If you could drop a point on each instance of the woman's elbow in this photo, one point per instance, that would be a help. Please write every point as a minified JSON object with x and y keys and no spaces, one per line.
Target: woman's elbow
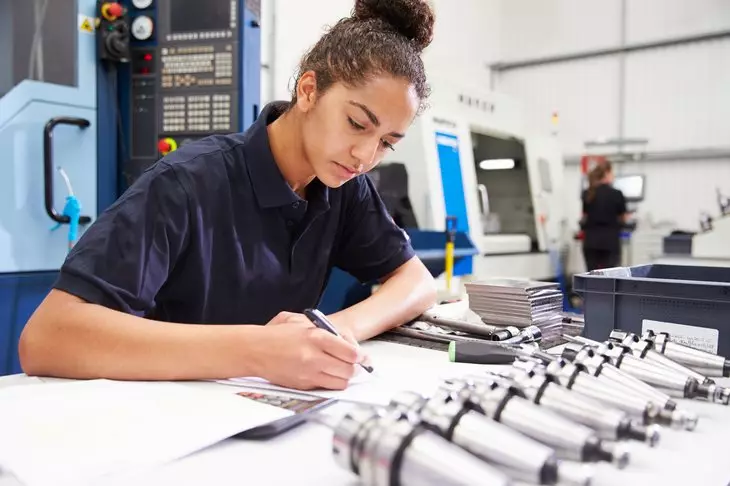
{"x":29,"y":348}
{"x":38,"y":339}
{"x":429,"y":291}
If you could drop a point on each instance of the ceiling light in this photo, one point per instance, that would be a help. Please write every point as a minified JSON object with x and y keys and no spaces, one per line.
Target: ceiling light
{"x":497,"y":164}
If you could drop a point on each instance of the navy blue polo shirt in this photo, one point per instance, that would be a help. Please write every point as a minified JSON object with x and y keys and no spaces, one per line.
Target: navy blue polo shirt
{"x":213,"y":234}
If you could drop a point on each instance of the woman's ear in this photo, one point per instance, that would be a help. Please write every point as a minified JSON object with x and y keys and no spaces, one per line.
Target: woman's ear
{"x":306,"y":91}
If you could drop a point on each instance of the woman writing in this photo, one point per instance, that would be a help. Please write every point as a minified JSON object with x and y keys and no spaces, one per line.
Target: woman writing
{"x":202,"y":268}
{"x":604,"y":214}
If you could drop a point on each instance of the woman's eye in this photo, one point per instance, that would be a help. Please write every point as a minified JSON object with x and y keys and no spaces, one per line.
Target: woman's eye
{"x":355,"y":124}
{"x":387,"y":144}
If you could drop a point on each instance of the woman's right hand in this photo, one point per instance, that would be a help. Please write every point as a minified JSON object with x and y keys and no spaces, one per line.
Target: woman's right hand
{"x":299,"y":355}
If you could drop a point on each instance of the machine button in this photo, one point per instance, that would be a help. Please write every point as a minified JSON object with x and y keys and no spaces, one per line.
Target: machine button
{"x":141,"y":4}
{"x":142,"y":28}
{"x":166,"y":145}
{"x":295,"y":205}
{"x":111,"y":11}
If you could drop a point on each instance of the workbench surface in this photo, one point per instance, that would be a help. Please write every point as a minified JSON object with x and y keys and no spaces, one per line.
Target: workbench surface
{"x":303,"y":456}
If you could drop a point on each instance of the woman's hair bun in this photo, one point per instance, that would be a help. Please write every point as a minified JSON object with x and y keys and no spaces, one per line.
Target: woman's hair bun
{"x":411,"y":18}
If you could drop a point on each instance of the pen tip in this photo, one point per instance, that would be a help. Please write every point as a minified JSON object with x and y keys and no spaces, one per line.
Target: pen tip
{"x":367,"y":368}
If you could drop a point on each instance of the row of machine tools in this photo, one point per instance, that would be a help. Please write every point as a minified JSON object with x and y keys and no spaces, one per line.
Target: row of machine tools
{"x":544,"y":419}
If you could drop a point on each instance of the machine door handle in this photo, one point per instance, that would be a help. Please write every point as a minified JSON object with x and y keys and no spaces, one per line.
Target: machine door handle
{"x":48,"y":166}
{"x":483,"y":199}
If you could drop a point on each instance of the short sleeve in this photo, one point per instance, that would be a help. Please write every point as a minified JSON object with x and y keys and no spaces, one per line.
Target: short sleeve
{"x":371,"y":244}
{"x":126,"y":255}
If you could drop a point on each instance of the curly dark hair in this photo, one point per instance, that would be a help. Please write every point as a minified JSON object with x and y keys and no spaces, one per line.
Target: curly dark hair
{"x":381,"y":37}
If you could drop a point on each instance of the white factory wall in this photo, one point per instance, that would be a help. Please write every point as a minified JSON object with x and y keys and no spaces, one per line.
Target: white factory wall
{"x":535,"y":29}
{"x":676,"y":97}
{"x":465,"y":40}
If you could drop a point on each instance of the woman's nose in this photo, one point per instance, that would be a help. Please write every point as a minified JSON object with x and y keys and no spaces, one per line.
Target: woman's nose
{"x":365,"y":152}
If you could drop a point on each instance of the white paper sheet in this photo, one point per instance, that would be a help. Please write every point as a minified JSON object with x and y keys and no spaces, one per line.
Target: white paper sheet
{"x":364,"y":387}
{"x":397,"y":368}
{"x":74,"y":433}
{"x":377,"y":390}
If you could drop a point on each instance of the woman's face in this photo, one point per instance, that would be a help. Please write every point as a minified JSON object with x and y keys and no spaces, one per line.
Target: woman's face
{"x":347,"y":131}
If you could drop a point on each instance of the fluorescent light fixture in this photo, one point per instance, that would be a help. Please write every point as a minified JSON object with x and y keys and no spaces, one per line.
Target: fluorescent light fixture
{"x":497,"y":164}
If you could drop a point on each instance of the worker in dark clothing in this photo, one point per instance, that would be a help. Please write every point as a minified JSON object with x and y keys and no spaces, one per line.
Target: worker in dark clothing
{"x":604,"y":214}
{"x":203,"y":267}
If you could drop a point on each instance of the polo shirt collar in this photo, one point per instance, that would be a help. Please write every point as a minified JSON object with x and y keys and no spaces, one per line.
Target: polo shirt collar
{"x":269,"y":186}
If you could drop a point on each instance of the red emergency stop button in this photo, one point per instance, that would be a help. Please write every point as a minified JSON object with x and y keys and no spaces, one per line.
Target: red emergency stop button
{"x":166,"y":145}
{"x":111,"y":11}
{"x":115,"y":9}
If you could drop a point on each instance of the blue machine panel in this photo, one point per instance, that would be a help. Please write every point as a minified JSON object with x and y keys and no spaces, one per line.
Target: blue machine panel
{"x":26,"y":242}
{"x":453,"y":187}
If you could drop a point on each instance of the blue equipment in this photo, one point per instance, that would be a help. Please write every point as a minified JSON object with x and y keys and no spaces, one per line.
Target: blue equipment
{"x":74,"y":96}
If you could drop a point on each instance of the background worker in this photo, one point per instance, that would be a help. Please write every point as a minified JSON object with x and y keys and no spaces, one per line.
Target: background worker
{"x":604,"y":215}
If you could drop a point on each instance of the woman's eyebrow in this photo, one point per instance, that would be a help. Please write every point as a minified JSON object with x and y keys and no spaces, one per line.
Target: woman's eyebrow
{"x":373,"y":118}
{"x":368,"y":112}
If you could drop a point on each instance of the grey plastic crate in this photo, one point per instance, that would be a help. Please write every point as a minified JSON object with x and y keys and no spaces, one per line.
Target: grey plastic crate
{"x":626,"y":297}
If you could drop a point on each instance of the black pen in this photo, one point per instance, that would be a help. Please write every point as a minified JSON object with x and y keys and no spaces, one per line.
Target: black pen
{"x":319,"y":320}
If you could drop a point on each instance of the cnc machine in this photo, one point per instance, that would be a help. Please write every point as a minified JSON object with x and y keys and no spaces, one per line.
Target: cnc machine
{"x":470,"y":156}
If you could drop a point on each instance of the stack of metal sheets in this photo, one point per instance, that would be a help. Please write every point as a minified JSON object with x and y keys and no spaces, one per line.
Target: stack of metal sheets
{"x":518,"y":303}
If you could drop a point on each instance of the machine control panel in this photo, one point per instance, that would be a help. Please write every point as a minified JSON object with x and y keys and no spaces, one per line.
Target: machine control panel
{"x":185,"y":76}
{"x":196,"y":86}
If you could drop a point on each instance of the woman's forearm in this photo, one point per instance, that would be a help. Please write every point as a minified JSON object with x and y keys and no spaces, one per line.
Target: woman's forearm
{"x":402,"y":297}
{"x":69,"y":338}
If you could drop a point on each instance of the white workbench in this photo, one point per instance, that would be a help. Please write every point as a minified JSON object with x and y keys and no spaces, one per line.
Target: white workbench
{"x":303,"y":456}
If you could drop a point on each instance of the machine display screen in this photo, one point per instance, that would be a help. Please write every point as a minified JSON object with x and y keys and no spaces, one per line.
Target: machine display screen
{"x":200,"y":15}
{"x":632,"y":186}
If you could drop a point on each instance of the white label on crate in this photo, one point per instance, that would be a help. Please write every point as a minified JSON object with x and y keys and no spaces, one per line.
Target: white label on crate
{"x":703,"y":338}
